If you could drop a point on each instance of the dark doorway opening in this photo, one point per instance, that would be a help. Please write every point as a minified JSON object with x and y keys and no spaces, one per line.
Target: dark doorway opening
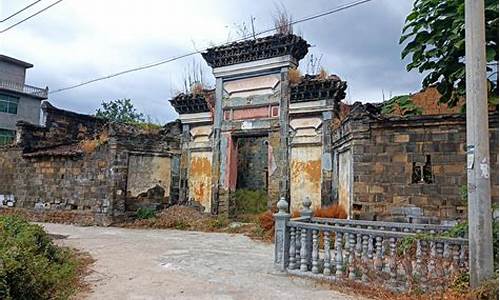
{"x":252,"y":172}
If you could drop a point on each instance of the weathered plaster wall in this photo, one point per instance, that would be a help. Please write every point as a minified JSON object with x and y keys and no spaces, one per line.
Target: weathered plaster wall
{"x":200,"y":170}
{"x":306,"y":161}
{"x":305,"y":175}
{"x":345,"y":180}
{"x":148,"y":180}
{"x":146,"y":171}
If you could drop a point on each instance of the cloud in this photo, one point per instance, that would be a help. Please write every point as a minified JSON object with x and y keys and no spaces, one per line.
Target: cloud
{"x":80,"y":40}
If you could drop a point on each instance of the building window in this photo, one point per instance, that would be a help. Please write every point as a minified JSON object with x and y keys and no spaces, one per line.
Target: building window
{"x":8,"y":104}
{"x":7,"y":136}
{"x":422,"y":172}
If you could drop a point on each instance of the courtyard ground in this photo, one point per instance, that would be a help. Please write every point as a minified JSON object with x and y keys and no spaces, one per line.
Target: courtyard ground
{"x":167,"y":264}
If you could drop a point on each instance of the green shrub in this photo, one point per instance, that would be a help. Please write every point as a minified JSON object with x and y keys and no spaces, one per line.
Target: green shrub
{"x":145,"y":213}
{"x":250,"y":201}
{"x":31,"y":266}
{"x":218,"y":223}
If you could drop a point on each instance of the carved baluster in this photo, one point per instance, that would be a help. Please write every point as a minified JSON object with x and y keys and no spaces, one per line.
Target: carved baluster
{"x":315,"y":252}
{"x":297,"y":247}
{"x":455,"y":252}
{"x":384,"y":241}
{"x":392,"y":260}
{"x":364,"y":258}
{"x":346,"y":246}
{"x":418,"y":259}
{"x":303,"y":250}
{"x":291,"y":263}
{"x":359,"y":244}
{"x":446,"y":258}
{"x":446,"y":250}
{"x":327,"y":264}
{"x":432,"y":260}
{"x":352,"y":245}
{"x":338,"y":254}
{"x":463,"y":262}
{"x":378,"y":253}
{"x":370,"y":246}
{"x":439,"y":254}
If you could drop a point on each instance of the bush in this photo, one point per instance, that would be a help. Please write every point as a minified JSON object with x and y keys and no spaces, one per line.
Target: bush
{"x":31,"y":266}
{"x":250,"y":201}
{"x":218,"y":223}
{"x":266,"y":221}
{"x":144,"y":213}
{"x":332,"y":211}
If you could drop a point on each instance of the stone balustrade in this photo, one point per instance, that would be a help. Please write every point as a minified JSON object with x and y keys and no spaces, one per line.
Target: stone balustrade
{"x":24,"y":88}
{"x":395,"y":254}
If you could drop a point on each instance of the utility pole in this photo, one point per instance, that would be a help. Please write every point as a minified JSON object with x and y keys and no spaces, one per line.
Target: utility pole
{"x":478,"y":146}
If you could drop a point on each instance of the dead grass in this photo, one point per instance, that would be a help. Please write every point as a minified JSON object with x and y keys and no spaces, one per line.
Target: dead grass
{"x":197,"y":88}
{"x":344,"y":110}
{"x":52,"y":216}
{"x":85,"y":262}
{"x":259,"y":227}
{"x":177,"y":217}
{"x":322,"y":74}
{"x":332,"y":211}
{"x":487,"y":291}
{"x":283,"y":21}
{"x":294,"y":76}
{"x":89,"y":146}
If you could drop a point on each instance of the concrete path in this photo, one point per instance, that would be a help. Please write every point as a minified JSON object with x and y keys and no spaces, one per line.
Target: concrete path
{"x":172,"y":264}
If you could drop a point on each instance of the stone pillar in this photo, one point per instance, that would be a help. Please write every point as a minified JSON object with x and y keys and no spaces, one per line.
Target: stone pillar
{"x":282,"y":236}
{"x":216,"y":144}
{"x":283,"y":157}
{"x":183,"y":166}
{"x":327,"y":197}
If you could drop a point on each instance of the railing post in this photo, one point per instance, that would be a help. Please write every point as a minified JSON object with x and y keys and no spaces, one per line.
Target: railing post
{"x":306,"y":212}
{"x":282,"y":236}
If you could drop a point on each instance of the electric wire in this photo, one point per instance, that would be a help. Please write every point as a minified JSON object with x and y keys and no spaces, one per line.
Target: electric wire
{"x":161,"y":62}
{"x":31,"y":16}
{"x":19,"y":11}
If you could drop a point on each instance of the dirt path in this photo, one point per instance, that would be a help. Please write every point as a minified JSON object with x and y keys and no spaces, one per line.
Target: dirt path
{"x":168,"y":264}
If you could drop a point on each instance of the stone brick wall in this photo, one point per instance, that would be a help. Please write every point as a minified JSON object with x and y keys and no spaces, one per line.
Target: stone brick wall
{"x":78,"y":163}
{"x":62,"y":182}
{"x":61,"y":128}
{"x":387,"y":154}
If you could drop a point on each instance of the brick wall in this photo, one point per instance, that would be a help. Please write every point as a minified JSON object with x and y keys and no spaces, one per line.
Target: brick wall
{"x":78,"y":163}
{"x":387,"y":155}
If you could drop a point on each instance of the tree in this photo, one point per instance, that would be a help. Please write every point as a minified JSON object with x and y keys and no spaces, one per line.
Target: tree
{"x":435,"y":32}
{"x":121,"y":110}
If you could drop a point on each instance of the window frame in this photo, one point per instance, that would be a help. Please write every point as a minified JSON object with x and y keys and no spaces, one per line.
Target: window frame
{"x":7,"y":136}
{"x":11,"y":104}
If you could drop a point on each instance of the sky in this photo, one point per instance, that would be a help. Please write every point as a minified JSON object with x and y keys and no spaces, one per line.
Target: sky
{"x":79,"y":40}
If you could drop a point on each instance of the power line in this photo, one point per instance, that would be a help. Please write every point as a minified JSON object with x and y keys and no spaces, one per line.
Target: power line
{"x":20,"y":11}
{"x":35,"y":14}
{"x":151,"y":65}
